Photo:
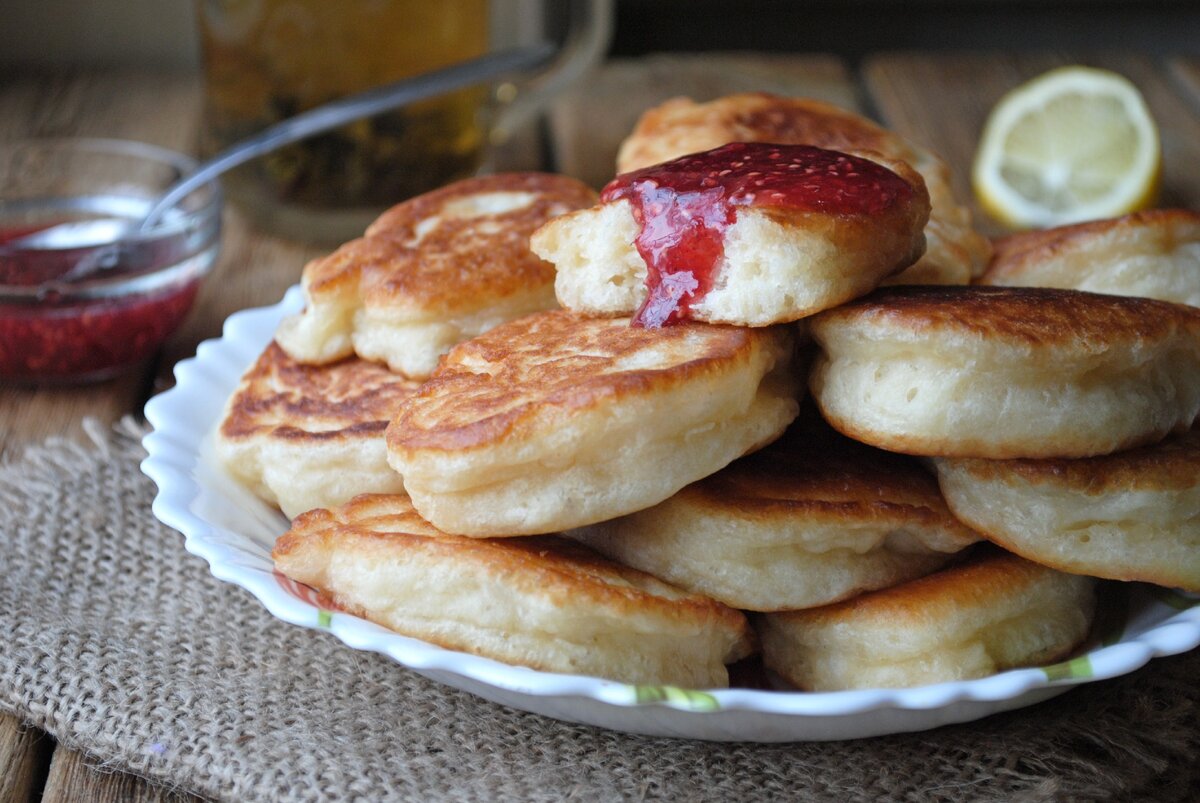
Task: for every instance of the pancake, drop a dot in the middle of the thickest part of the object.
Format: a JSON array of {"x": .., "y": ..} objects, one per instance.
[
  {"x": 306, "y": 436},
  {"x": 1152, "y": 254},
  {"x": 1003, "y": 372},
  {"x": 954, "y": 251},
  {"x": 1128, "y": 516},
  {"x": 811, "y": 519},
  {"x": 992, "y": 613},
  {"x": 746, "y": 234},
  {"x": 431, "y": 272},
  {"x": 557, "y": 420},
  {"x": 542, "y": 602}
]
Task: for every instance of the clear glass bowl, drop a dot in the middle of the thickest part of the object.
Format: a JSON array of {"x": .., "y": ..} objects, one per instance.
[{"x": 88, "y": 310}]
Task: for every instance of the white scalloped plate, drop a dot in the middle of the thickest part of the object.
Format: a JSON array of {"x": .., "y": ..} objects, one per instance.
[{"x": 234, "y": 531}]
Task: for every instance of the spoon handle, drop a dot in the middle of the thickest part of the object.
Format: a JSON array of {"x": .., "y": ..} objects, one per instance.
[{"x": 344, "y": 110}]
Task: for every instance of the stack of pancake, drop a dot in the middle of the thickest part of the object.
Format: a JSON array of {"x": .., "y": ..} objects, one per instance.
[{"x": 634, "y": 485}]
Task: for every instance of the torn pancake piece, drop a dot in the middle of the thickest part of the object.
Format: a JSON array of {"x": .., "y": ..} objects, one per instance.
[
  {"x": 750, "y": 234},
  {"x": 954, "y": 251}
]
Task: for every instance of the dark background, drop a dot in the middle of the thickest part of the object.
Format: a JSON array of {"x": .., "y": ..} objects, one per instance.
[{"x": 852, "y": 28}]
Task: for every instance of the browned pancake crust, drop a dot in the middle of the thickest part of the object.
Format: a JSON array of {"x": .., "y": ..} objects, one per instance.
[
  {"x": 814, "y": 472},
  {"x": 547, "y": 565},
  {"x": 544, "y": 366},
  {"x": 295, "y": 402},
  {"x": 1033, "y": 316},
  {"x": 753, "y": 117},
  {"x": 1017, "y": 253},
  {"x": 1172, "y": 465},
  {"x": 481, "y": 257},
  {"x": 988, "y": 574}
]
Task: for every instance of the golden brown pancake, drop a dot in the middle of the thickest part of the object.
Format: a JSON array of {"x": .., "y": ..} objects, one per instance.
[
  {"x": 543, "y": 602},
  {"x": 954, "y": 252},
  {"x": 557, "y": 420},
  {"x": 306, "y": 436},
  {"x": 1152, "y": 254},
  {"x": 811, "y": 519},
  {"x": 1003, "y": 372},
  {"x": 994, "y": 612},
  {"x": 1134, "y": 515},
  {"x": 432, "y": 271},
  {"x": 777, "y": 263}
]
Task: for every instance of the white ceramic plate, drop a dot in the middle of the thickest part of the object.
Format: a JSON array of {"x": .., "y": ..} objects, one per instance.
[{"x": 234, "y": 531}]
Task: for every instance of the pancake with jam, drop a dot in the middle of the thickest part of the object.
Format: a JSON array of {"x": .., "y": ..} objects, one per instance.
[
  {"x": 811, "y": 519},
  {"x": 1007, "y": 372},
  {"x": 1134, "y": 515},
  {"x": 1152, "y": 254},
  {"x": 751, "y": 234},
  {"x": 954, "y": 251},
  {"x": 307, "y": 436},
  {"x": 558, "y": 420},
  {"x": 431, "y": 272},
  {"x": 991, "y": 613},
  {"x": 544, "y": 602}
]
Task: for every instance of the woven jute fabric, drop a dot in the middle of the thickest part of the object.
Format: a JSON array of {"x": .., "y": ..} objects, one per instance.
[{"x": 121, "y": 645}]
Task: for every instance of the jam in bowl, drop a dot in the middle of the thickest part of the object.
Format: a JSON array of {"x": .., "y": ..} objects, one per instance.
[{"x": 86, "y": 303}]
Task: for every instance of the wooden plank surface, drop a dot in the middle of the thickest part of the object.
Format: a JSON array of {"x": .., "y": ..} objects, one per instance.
[
  {"x": 72, "y": 778},
  {"x": 1186, "y": 74},
  {"x": 24, "y": 756},
  {"x": 942, "y": 101},
  {"x": 587, "y": 126}
]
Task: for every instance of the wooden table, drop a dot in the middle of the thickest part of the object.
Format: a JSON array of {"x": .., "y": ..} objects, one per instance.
[{"x": 937, "y": 100}]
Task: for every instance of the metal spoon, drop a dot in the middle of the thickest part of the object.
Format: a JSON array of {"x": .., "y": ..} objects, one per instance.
[{"x": 85, "y": 233}]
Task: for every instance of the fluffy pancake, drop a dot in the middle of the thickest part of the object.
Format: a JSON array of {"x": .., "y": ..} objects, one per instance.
[
  {"x": 994, "y": 612},
  {"x": 433, "y": 271},
  {"x": 811, "y": 519},
  {"x": 1153, "y": 254},
  {"x": 1004, "y": 372},
  {"x": 557, "y": 420},
  {"x": 543, "y": 602},
  {"x": 764, "y": 234},
  {"x": 306, "y": 436},
  {"x": 1128, "y": 516},
  {"x": 954, "y": 251}
]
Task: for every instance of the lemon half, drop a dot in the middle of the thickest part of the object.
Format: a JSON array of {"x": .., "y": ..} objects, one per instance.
[{"x": 1073, "y": 144}]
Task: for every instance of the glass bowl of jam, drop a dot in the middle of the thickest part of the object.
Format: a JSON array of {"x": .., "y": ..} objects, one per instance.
[{"x": 86, "y": 302}]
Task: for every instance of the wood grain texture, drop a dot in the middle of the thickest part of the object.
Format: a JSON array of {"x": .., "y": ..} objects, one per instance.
[
  {"x": 942, "y": 101},
  {"x": 72, "y": 779},
  {"x": 1186, "y": 74},
  {"x": 588, "y": 124},
  {"x": 24, "y": 757}
]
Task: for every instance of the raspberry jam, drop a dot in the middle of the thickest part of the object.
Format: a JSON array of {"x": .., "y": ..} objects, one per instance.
[
  {"x": 89, "y": 339},
  {"x": 60, "y": 322},
  {"x": 683, "y": 208}
]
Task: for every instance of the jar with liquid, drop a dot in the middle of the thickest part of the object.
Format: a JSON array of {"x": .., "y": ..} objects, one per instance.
[{"x": 267, "y": 60}]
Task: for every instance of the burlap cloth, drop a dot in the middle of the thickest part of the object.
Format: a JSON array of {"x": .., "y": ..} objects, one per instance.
[{"x": 123, "y": 646}]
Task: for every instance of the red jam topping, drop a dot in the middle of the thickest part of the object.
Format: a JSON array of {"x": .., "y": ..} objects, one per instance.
[
  {"x": 684, "y": 206},
  {"x": 90, "y": 339}
]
